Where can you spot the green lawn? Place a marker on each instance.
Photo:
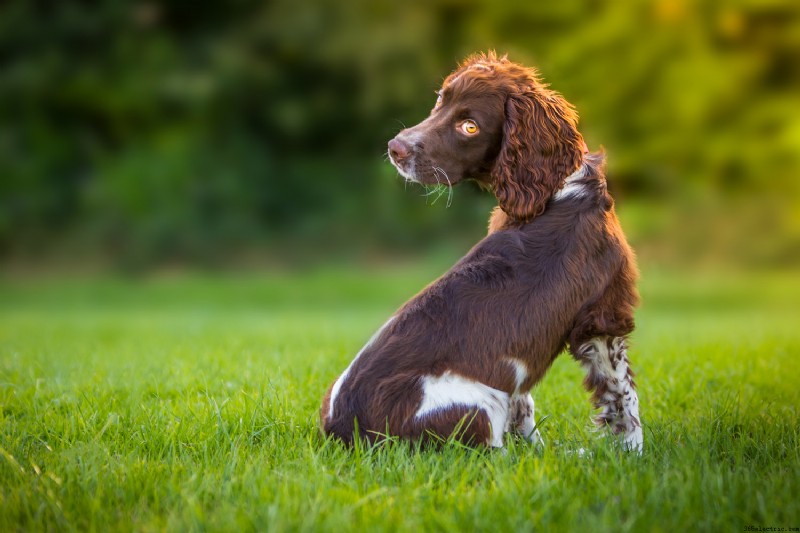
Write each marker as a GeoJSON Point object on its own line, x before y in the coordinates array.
{"type": "Point", "coordinates": [191, 404]}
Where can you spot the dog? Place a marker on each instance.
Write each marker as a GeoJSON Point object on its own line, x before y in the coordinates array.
{"type": "Point", "coordinates": [554, 272]}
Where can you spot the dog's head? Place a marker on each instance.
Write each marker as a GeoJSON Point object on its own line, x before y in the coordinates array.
{"type": "Point", "coordinates": [496, 123]}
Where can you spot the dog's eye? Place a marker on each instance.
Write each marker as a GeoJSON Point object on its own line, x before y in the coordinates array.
{"type": "Point", "coordinates": [468, 127]}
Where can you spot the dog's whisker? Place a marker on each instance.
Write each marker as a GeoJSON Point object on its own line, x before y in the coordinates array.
{"type": "Point", "coordinates": [431, 189]}
{"type": "Point", "coordinates": [449, 186]}
{"type": "Point", "coordinates": [434, 188]}
{"type": "Point", "coordinates": [438, 188]}
{"type": "Point", "coordinates": [438, 184]}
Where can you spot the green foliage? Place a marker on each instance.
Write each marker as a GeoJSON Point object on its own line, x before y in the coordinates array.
{"type": "Point", "coordinates": [191, 404]}
{"type": "Point", "coordinates": [153, 132]}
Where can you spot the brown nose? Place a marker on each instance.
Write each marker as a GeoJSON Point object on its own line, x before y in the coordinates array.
{"type": "Point", "coordinates": [398, 149]}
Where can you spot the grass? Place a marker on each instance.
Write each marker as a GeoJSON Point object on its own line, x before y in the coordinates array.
{"type": "Point", "coordinates": [191, 403]}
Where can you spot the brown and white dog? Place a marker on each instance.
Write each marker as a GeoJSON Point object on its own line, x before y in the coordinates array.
{"type": "Point", "coordinates": [555, 271]}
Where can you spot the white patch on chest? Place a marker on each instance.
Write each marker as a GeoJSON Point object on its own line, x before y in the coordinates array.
{"type": "Point", "coordinates": [572, 185]}
{"type": "Point", "coordinates": [450, 390]}
{"type": "Point", "coordinates": [338, 385]}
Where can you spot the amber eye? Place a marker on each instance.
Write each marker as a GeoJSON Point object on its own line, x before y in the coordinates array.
{"type": "Point", "coordinates": [468, 127]}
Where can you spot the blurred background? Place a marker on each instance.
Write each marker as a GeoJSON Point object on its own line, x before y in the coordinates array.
{"type": "Point", "coordinates": [142, 136]}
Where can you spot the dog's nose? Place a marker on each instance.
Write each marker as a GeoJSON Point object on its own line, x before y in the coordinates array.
{"type": "Point", "coordinates": [399, 150]}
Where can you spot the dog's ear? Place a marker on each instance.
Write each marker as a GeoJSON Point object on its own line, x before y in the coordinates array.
{"type": "Point", "coordinates": [541, 147]}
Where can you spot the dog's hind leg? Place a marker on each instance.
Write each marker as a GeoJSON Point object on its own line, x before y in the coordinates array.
{"type": "Point", "coordinates": [446, 399]}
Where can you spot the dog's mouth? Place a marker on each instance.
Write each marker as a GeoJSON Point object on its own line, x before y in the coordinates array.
{"type": "Point", "coordinates": [425, 173]}
{"type": "Point", "coordinates": [406, 167]}
{"type": "Point", "coordinates": [433, 179]}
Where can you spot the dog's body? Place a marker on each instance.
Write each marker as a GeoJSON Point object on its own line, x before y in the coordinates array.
{"type": "Point", "coordinates": [554, 271]}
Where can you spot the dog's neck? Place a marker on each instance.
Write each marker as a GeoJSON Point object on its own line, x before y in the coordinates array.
{"type": "Point", "coordinates": [499, 219]}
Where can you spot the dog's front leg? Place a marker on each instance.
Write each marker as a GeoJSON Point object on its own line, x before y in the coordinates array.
{"type": "Point", "coordinates": [610, 378]}
{"type": "Point", "coordinates": [521, 419]}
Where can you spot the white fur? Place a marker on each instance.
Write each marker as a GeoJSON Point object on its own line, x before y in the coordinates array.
{"type": "Point", "coordinates": [572, 185]}
{"type": "Point", "coordinates": [449, 390]}
{"type": "Point", "coordinates": [599, 356]}
{"type": "Point", "coordinates": [408, 175]}
{"type": "Point", "coordinates": [338, 385]}
{"type": "Point", "coordinates": [520, 373]}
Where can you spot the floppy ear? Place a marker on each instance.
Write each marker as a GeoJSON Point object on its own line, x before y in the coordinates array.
{"type": "Point", "coordinates": [541, 147]}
